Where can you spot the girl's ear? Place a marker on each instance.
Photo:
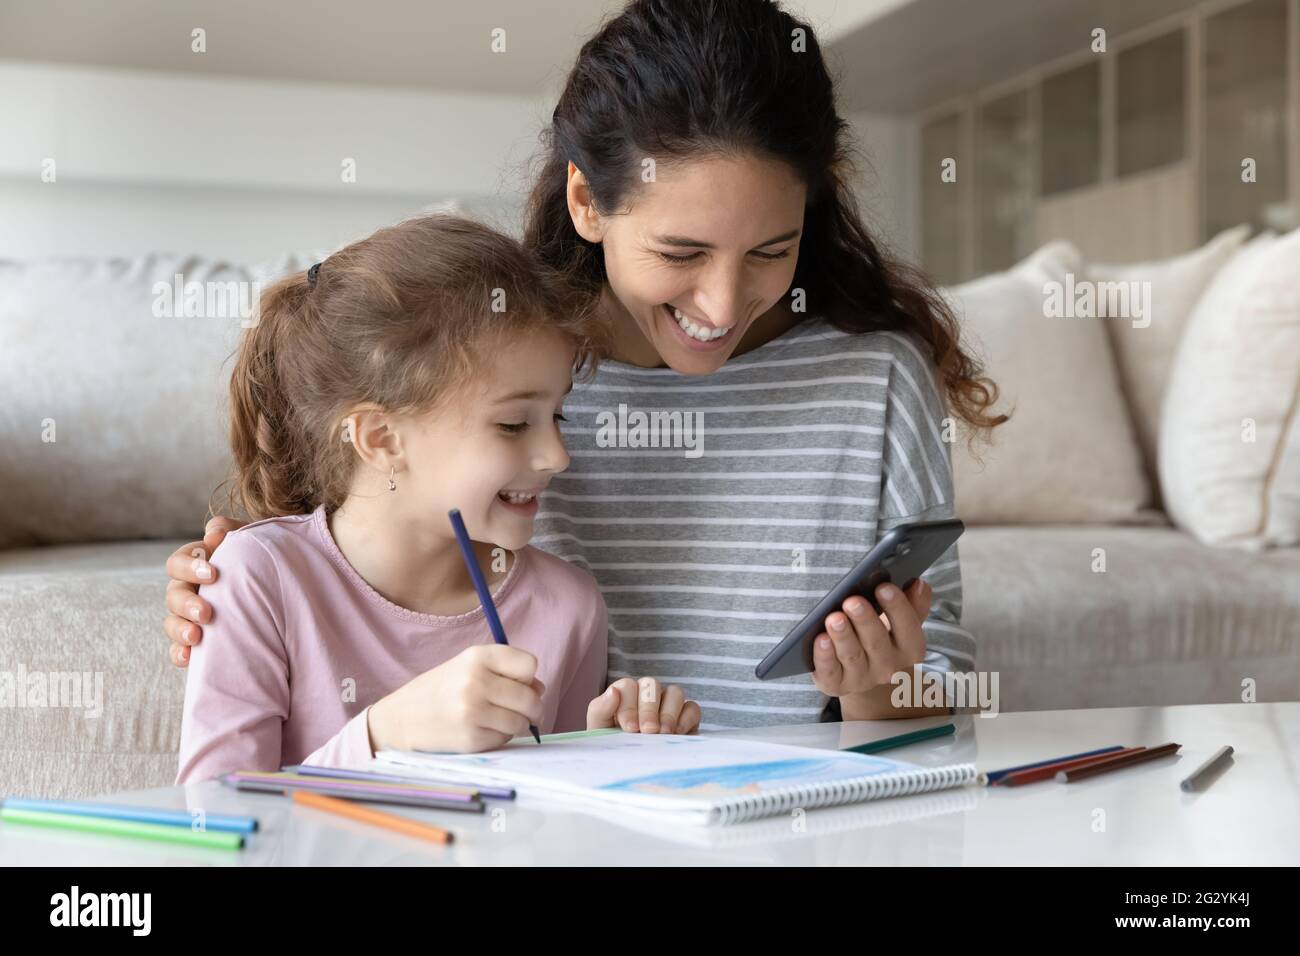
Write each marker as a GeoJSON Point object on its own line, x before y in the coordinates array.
{"type": "Point", "coordinates": [586, 220]}
{"type": "Point", "coordinates": [374, 438]}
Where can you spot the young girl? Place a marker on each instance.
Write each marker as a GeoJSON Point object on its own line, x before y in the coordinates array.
{"type": "Point", "coordinates": [416, 371]}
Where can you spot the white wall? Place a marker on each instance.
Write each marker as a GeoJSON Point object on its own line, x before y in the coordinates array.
{"type": "Point", "coordinates": [247, 169]}
{"type": "Point", "coordinates": [240, 168]}
{"type": "Point", "coordinates": [887, 187]}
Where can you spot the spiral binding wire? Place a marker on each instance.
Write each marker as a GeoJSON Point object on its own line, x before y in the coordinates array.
{"type": "Point", "coordinates": [839, 792]}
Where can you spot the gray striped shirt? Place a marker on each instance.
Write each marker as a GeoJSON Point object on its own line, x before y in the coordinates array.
{"type": "Point", "coordinates": [709, 544]}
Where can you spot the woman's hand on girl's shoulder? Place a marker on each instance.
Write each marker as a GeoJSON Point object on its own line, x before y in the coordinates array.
{"type": "Point", "coordinates": [642, 706]}
{"type": "Point", "coordinates": [189, 567]}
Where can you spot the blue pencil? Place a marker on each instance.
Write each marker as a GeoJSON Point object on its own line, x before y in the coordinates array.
{"type": "Point", "coordinates": [997, 775]}
{"type": "Point", "coordinates": [480, 585]}
{"type": "Point", "coordinates": [175, 818]}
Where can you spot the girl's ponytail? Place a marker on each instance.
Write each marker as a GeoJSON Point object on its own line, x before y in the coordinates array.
{"type": "Point", "coordinates": [269, 479]}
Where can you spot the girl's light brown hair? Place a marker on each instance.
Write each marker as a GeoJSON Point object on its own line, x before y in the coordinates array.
{"type": "Point", "coordinates": [399, 320]}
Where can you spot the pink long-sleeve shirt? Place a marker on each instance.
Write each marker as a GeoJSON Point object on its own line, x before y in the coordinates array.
{"type": "Point", "coordinates": [300, 646]}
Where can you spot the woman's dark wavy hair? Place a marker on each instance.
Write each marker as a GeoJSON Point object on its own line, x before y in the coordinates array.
{"type": "Point", "coordinates": [679, 79]}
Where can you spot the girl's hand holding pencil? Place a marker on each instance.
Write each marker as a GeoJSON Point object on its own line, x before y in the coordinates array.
{"type": "Point", "coordinates": [478, 700]}
{"type": "Point", "coordinates": [643, 707]}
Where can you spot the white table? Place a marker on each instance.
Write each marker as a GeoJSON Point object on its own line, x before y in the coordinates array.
{"type": "Point", "coordinates": [1249, 815]}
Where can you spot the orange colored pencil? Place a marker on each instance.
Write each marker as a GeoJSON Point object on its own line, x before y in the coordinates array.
{"type": "Point", "coordinates": [389, 821]}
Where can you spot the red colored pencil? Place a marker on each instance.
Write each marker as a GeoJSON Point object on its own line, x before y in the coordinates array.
{"type": "Point", "coordinates": [1047, 772]}
{"type": "Point", "coordinates": [1116, 763]}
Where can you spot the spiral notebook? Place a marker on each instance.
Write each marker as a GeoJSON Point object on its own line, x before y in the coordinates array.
{"type": "Point", "coordinates": [699, 780]}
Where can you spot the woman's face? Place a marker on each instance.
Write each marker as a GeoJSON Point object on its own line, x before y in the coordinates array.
{"type": "Point", "coordinates": [698, 256]}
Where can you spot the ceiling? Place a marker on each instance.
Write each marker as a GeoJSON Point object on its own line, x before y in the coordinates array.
{"type": "Point", "coordinates": [928, 51]}
{"type": "Point", "coordinates": [439, 44]}
{"type": "Point", "coordinates": [891, 56]}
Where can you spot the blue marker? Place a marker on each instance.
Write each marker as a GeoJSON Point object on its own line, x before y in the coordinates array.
{"type": "Point", "coordinates": [480, 585]}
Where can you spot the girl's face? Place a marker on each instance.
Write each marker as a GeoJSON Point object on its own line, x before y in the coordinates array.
{"type": "Point", "coordinates": [702, 253]}
{"type": "Point", "coordinates": [491, 450]}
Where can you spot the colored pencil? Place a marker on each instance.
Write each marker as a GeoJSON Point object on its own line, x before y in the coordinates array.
{"type": "Point", "coordinates": [1116, 763]}
{"type": "Point", "coordinates": [365, 795]}
{"type": "Point", "coordinates": [389, 821]}
{"type": "Point", "coordinates": [901, 740]}
{"type": "Point", "coordinates": [1049, 771]}
{"type": "Point", "coordinates": [578, 734]}
{"type": "Point", "coordinates": [1208, 772]}
{"type": "Point", "coordinates": [398, 799]}
{"type": "Point", "coordinates": [162, 833]}
{"type": "Point", "coordinates": [480, 585]}
{"type": "Point", "coordinates": [995, 775]}
{"type": "Point", "coordinates": [464, 794]}
{"type": "Point", "coordinates": [495, 793]}
{"type": "Point", "coordinates": [162, 817]}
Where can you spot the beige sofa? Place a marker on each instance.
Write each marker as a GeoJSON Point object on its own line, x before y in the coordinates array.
{"type": "Point", "coordinates": [111, 442]}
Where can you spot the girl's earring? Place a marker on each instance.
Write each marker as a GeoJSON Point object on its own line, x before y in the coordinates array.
{"type": "Point", "coordinates": [392, 485]}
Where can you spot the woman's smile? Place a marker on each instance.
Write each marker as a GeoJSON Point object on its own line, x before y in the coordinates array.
{"type": "Point", "coordinates": [695, 335]}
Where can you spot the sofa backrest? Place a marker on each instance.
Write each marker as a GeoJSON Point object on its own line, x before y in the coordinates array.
{"type": "Point", "coordinates": [113, 393]}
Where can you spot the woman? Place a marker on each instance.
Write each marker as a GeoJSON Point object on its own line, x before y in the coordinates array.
{"type": "Point", "coordinates": [694, 177]}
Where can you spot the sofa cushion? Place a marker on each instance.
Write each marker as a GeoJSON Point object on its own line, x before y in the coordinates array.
{"type": "Point", "coordinates": [1068, 455]}
{"type": "Point", "coordinates": [112, 395]}
{"type": "Point", "coordinates": [72, 611]}
{"type": "Point", "coordinates": [1169, 620]}
{"type": "Point", "coordinates": [1228, 413]}
{"type": "Point", "coordinates": [1283, 526]}
{"type": "Point", "coordinates": [1145, 345]}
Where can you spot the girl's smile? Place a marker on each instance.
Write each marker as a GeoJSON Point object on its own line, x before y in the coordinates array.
{"type": "Point", "coordinates": [520, 502]}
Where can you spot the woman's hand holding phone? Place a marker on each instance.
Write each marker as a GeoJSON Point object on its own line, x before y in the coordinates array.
{"type": "Point", "coordinates": [859, 650]}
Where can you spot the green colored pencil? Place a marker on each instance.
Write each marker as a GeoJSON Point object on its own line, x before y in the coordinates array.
{"type": "Point", "coordinates": [902, 740]}
{"type": "Point", "coordinates": [144, 831]}
{"type": "Point", "coordinates": [575, 734]}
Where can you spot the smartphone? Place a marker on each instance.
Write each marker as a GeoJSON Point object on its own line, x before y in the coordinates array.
{"type": "Point", "coordinates": [900, 557]}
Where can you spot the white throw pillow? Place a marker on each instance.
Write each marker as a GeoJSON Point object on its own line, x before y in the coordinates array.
{"type": "Point", "coordinates": [1230, 407]}
{"type": "Point", "coordinates": [1145, 344]}
{"type": "Point", "coordinates": [1283, 524]}
{"type": "Point", "coordinates": [1068, 455]}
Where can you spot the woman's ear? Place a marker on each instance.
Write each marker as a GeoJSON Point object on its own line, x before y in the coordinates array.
{"type": "Point", "coordinates": [586, 220]}
{"type": "Point", "coordinates": [374, 438]}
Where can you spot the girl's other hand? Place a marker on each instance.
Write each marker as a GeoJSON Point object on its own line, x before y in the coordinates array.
{"type": "Point", "coordinates": [189, 568]}
{"type": "Point", "coordinates": [640, 706]}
